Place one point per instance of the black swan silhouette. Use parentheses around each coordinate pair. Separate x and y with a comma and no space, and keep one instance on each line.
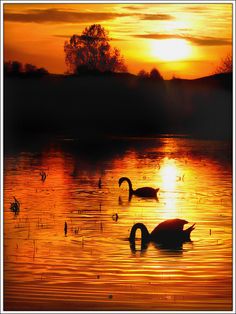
(168,232)
(142,192)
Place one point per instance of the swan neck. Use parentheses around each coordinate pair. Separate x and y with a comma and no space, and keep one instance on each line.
(130,185)
(144,232)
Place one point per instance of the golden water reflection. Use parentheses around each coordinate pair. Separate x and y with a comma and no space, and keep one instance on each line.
(91,267)
(169,174)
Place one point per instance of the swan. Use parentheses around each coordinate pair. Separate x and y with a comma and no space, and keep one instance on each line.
(167,232)
(142,192)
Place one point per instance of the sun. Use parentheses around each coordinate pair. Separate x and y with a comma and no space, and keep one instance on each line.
(171,49)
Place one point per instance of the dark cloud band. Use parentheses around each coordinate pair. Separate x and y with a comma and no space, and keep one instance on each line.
(156,17)
(69,36)
(200,41)
(59,16)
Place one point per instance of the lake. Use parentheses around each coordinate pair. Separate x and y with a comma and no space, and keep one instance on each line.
(90,266)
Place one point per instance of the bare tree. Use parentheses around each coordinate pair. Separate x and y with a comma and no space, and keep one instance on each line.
(91,51)
(225,66)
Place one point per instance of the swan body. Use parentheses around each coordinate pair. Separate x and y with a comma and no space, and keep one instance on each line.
(167,232)
(142,192)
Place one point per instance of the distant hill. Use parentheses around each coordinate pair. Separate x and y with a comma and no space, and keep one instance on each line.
(117,104)
(215,77)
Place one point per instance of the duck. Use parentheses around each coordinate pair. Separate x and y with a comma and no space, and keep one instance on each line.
(168,232)
(142,192)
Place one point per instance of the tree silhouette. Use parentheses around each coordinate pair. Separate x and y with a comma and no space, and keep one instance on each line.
(155,75)
(13,68)
(143,74)
(91,51)
(225,66)
(7,67)
(30,68)
(16,68)
(42,71)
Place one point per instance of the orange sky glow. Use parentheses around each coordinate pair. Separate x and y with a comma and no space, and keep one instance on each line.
(183,40)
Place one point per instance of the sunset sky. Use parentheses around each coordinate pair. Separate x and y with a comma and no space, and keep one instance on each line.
(184,40)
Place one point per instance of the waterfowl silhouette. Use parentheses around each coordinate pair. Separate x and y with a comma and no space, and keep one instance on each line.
(65,228)
(115,217)
(142,192)
(169,232)
(100,183)
(15,206)
(43,175)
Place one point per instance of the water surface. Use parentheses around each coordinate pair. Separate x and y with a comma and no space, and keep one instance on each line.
(92,267)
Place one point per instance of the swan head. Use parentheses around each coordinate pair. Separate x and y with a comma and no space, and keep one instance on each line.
(121,180)
(181,221)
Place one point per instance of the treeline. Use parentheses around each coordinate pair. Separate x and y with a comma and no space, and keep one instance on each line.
(86,107)
(16,68)
(154,75)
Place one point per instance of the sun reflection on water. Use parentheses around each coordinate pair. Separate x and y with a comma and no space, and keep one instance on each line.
(169,173)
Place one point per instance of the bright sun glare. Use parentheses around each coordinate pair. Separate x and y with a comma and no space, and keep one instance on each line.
(171,49)
(169,174)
